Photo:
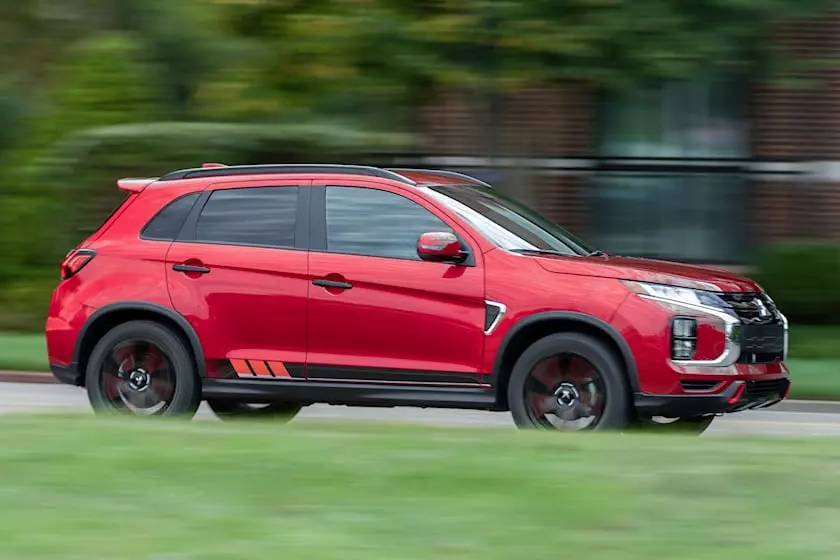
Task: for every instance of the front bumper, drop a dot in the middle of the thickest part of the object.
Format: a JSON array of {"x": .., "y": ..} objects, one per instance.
[{"x": 740, "y": 395}]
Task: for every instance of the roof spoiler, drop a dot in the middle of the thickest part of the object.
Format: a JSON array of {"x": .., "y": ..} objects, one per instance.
[{"x": 134, "y": 186}]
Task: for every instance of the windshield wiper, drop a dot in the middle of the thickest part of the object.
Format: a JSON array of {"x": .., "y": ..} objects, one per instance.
[
  {"x": 541, "y": 252},
  {"x": 596, "y": 254}
]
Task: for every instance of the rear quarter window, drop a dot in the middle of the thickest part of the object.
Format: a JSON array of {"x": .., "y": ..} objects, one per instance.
[{"x": 167, "y": 223}]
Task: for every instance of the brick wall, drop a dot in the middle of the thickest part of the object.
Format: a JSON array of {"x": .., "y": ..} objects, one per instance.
[
  {"x": 799, "y": 124},
  {"x": 546, "y": 122}
]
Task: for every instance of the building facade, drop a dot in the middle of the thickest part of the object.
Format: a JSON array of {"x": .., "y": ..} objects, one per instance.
[{"x": 696, "y": 170}]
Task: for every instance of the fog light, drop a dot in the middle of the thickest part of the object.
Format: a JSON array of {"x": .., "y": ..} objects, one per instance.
[
  {"x": 683, "y": 349},
  {"x": 684, "y": 328},
  {"x": 683, "y": 338}
]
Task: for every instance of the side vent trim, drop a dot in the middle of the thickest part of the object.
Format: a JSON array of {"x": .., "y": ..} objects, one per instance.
[{"x": 494, "y": 312}]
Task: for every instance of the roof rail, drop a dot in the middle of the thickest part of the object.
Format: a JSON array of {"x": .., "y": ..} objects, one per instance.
[
  {"x": 442, "y": 173},
  {"x": 233, "y": 170}
]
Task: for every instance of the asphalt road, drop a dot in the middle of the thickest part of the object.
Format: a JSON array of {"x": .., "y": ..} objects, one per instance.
[{"x": 19, "y": 397}]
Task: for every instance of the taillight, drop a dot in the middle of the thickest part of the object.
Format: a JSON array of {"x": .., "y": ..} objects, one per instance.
[{"x": 75, "y": 261}]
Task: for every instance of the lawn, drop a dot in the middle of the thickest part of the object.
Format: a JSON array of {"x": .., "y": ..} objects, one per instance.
[
  {"x": 23, "y": 352},
  {"x": 85, "y": 488},
  {"x": 815, "y": 342},
  {"x": 815, "y": 359}
]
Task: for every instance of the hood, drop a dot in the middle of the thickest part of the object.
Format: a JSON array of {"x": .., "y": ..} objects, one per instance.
[{"x": 649, "y": 270}]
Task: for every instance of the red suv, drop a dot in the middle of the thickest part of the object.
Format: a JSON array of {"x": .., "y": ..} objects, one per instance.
[{"x": 263, "y": 289}]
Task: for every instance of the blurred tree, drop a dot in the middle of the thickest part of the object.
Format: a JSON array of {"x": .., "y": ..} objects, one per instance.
[
  {"x": 103, "y": 80},
  {"x": 180, "y": 38},
  {"x": 375, "y": 60}
]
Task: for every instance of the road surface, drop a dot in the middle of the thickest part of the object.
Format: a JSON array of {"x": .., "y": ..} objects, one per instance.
[{"x": 19, "y": 397}]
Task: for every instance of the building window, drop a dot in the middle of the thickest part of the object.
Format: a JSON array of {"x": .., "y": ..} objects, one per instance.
[{"x": 670, "y": 185}]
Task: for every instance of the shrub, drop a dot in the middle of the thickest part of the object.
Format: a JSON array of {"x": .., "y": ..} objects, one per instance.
[{"x": 803, "y": 279}]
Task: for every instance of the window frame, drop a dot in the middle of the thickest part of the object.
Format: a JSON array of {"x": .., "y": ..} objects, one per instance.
[
  {"x": 189, "y": 230},
  {"x": 318, "y": 222}
]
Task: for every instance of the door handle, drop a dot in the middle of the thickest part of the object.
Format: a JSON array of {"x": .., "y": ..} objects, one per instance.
[
  {"x": 333, "y": 284},
  {"x": 191, "y": 268}
]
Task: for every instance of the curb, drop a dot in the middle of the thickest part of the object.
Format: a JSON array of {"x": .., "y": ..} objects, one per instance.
[
  {"x": 830, "y": 407},
  {"x": 27, "y": 377}
]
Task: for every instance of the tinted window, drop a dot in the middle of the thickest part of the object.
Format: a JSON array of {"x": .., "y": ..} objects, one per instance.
[
  {"x": 167, "y": 223},
  {"x": 262, "y": 216},
  {"x": 376, "y": 223}
]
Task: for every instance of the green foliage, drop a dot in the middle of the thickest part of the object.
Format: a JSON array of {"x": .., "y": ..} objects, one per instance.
[
  {"x": 802, "y": 278},
  {"x": 331, "y": 50},
  {"x": 102, "y": 81}
]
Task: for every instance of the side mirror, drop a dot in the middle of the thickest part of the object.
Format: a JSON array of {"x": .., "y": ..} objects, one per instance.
[{"x": 440, "y": 246}]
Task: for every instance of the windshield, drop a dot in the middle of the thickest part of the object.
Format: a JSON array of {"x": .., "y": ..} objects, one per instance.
[{"x": 507, "y": 223}]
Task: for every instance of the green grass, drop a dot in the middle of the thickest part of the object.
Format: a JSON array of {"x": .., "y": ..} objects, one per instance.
[
  {"x": 84, "y": 488},
  {"x": 817, "y": 378},
  {"x": 23, "y": 352},
  {"x": 815, "y": 342}
]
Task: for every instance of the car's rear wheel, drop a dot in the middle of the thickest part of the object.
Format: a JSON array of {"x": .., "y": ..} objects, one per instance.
[
  {"x": 232, "y": 410},
  {"x": 571, "y": 382},
  {"x": 689, "y": 426},
  {"x": 142, "y": 368}
]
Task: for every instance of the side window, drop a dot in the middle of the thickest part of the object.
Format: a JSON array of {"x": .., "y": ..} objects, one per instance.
[
  {"x": 262, "y": 216},
  {"x": 376, "y": 223},
  {"x": 167, "y": 223}
]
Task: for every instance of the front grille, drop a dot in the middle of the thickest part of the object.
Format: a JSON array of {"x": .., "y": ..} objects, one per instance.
[
  {"x": 765, "y": 389},
  {"x": 752, "y": 308},
  {"x": 762, "y": 344}
]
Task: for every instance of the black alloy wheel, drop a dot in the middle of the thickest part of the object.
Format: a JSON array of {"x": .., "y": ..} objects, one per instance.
[
  {"x": 569, "y": 382},
  {"x": 142, "y": 368}
]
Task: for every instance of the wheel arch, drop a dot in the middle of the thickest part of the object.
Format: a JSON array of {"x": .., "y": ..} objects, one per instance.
[
  {"x": 534, "y": 327},
  {"x": 110, "y": 316}
]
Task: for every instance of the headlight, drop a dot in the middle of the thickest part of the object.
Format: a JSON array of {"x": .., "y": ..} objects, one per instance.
[{"x": 677, "y": 294}]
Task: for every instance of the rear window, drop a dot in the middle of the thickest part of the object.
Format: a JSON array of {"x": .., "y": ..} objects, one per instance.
[{"x": 167, "y": 223}]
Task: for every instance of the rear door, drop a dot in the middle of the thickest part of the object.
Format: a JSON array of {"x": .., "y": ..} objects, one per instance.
[
  {"x": 384, "y": 315},
  {"x": 238, "y": 273}
]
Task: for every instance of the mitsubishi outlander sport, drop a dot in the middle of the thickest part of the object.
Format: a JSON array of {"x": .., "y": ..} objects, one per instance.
[{"x": 264, "y": 289}]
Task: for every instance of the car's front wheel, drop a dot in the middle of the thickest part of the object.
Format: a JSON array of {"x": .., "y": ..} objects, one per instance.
[
  {"x": 569, "y": 381},
  {"x": 232, "y": 410},
  {"x": 142, "y": 368}
]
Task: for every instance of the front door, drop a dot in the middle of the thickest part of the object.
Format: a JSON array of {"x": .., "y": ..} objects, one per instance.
[
  {"x": 238, "y": 273},
  {"x": 377, "y": 313}
]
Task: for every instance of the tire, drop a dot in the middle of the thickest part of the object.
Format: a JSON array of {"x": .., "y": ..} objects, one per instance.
[
  {"x": 231, "y": 410},
  {"x": 613, "y": 401},
  {"x": 142, "y": 346},
  {"x": 685, "y": 426}
]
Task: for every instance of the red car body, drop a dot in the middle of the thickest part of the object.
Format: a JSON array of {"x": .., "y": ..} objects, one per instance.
[{"x": 323, "y": 326}]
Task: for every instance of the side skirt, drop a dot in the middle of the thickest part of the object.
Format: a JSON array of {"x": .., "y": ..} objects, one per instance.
[{"x": 352, "y": 394}]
